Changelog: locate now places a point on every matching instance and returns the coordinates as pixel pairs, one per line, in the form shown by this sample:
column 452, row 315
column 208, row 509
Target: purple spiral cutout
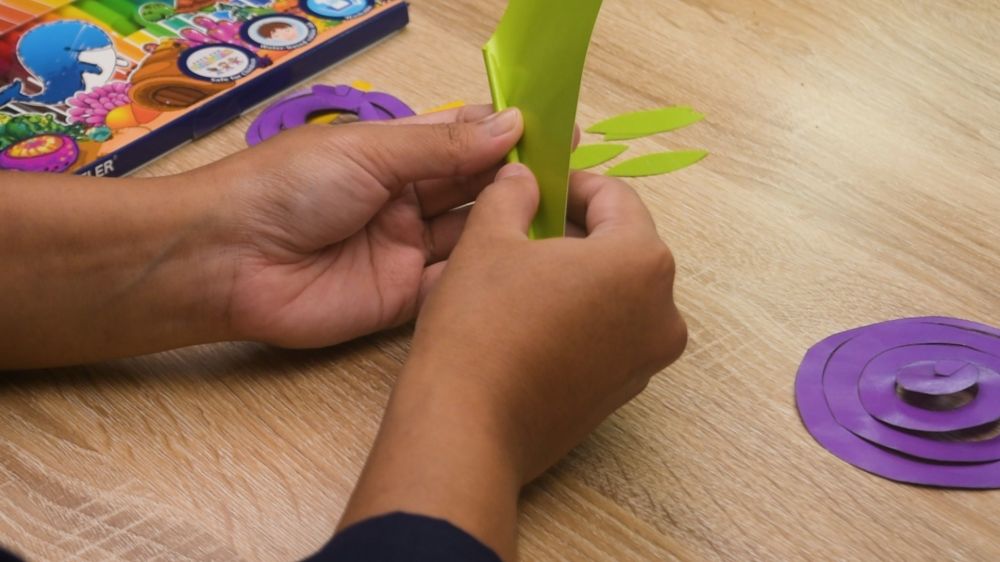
column 294, row 111
column 854, row 393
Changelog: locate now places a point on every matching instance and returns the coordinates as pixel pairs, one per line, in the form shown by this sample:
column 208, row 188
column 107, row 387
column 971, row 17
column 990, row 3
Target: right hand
column 541, row 341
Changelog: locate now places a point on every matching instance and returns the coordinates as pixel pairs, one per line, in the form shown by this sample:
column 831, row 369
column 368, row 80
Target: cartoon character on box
column 66, row 57
column 279, row 32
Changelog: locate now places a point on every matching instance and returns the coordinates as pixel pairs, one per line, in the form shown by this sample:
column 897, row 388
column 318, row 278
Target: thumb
column 508, row 206
column 397, row 154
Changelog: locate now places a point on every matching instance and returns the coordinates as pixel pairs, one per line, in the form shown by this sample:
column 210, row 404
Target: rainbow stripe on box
column 118, row 17
column 14, row 13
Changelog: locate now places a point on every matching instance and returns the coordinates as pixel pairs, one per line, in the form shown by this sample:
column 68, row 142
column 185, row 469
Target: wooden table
column 854, row 179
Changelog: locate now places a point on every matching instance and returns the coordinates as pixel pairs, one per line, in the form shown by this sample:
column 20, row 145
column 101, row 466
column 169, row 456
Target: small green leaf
column 657, row 164
column 588, row 156
column 646, row 123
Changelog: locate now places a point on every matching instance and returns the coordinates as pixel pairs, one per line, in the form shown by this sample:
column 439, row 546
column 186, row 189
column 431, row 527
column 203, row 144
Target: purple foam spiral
column 889, row 398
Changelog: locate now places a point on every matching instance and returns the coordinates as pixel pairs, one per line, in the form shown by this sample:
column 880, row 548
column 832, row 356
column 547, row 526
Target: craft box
column 100, row 87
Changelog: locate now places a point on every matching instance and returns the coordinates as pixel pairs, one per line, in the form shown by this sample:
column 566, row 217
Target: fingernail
column 512, row 171
column 500, row 124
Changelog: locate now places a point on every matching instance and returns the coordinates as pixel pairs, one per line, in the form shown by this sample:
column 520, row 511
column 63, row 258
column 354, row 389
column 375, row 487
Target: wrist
column 105, row 268
column 189, row 265
column 440, row 454
column 451, row 406
column 453, row 380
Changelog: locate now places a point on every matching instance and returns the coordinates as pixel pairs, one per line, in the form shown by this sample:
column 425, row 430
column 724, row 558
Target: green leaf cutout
column 646, row 123
column 657, row 164
column 590, row 155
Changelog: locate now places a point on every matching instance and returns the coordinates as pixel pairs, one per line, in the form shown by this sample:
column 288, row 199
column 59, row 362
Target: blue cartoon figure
column 67, row 57
column 337, row 9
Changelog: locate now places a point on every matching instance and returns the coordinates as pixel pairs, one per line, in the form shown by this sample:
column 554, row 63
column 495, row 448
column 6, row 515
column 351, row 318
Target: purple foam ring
column 389, row 105
column 270, row 122
column 294, row 111
column 827, row 394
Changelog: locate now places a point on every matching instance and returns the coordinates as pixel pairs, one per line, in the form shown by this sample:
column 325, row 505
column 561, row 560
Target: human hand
column 521, row 350
column 330, row 233
column 552, row 336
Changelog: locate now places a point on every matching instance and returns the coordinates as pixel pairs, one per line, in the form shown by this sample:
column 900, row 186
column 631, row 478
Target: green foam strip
column 535, row 63
column 590, row 155
column 646, row 123
column 657, row 164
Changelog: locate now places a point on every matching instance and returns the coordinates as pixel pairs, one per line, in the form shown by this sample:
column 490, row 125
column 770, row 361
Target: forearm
column 102, row 268
column 441, row 453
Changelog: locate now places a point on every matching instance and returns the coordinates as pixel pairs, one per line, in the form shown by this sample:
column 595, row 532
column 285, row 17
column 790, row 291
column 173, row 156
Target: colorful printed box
column 100, row 87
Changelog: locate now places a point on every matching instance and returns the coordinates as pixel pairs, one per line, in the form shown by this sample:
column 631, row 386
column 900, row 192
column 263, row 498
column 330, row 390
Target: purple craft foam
column 849, row 387
column 878, row 392
column 294, row 111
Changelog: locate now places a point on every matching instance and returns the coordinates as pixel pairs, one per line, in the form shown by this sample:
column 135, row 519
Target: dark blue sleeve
column 400, row 537
column 397, row 537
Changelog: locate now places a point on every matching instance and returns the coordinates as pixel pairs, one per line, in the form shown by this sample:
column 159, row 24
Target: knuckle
column 678, row 337
column 637, row 386
column 657, row 261
column 363, row 158
column 466, row 114
column 672, row 341
column 617, row 188
column 451, row 142
column 663, row 260
column 456, row 137
column 330, row 142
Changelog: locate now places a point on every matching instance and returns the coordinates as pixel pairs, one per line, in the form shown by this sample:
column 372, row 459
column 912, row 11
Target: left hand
column 331, row 233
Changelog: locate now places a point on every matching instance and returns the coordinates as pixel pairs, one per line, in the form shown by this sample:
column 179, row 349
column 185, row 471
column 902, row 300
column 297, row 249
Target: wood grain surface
column 855, row 177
